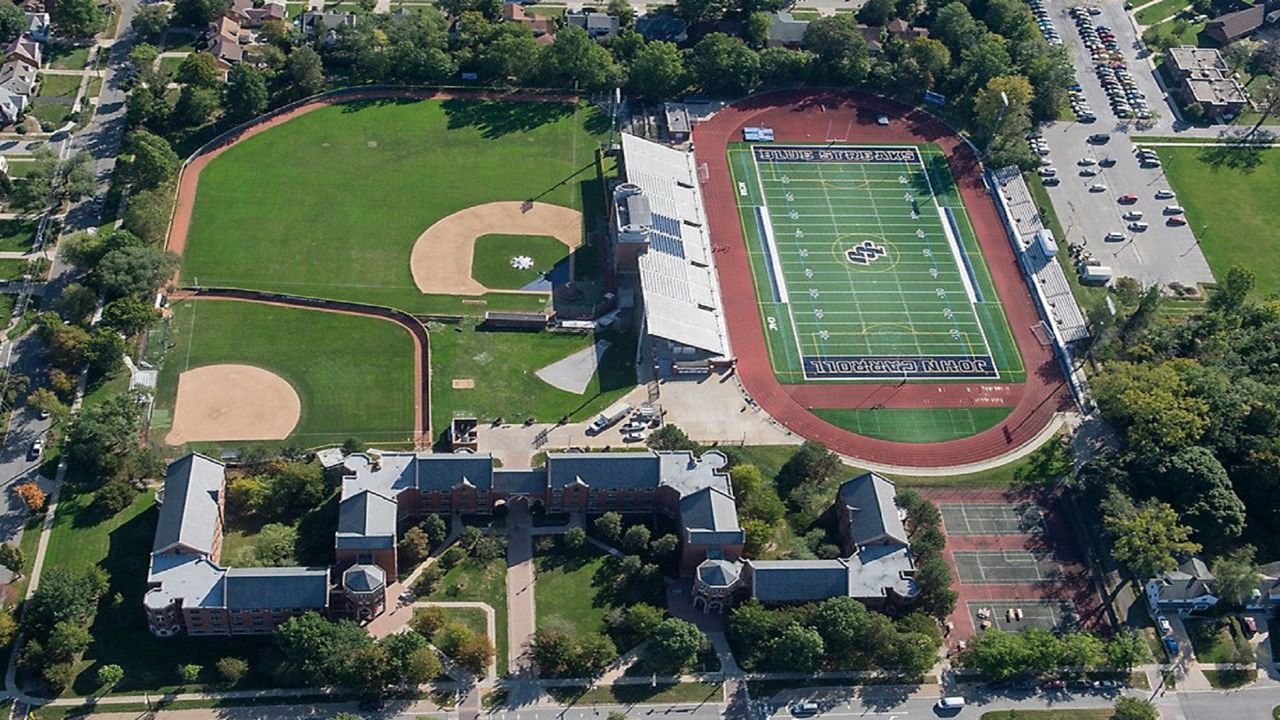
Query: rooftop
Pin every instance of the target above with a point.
(191, 513)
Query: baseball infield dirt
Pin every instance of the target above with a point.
(442, 256)
(233, 402)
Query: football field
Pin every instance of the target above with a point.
(866, 266)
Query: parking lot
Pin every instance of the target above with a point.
(1091, 177)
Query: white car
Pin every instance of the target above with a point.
(1048, 172)
(1114, 236)
(1174, 210)
(1133, 215)
(1162, 622)
(1098, 187)
(1085, 162)
(1088, 172)
(882, 120)
(1164, 194)
(1138, 226)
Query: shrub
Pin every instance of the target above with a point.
(232, 669)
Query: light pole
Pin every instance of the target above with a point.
(1004, 107)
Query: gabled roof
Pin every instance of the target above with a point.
(226, 49)
(797, 581)
(444, 471)
(873, 514)
(604, 471)
(710, 518)
(366, 520)
(520, 482)
(24, 49)
(285, 588)
(1237, 24)
(190, 516)
(785, 29)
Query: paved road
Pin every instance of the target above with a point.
(1161, 254)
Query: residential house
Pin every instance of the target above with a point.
(600, 26)
(1186, 589)
(38, 26)
(320, 22)
(245, 13)
(1235, 25)
(664, 27)
(17, 86)
(222, 40)
(25, 50)
(873, 38)
(1203, 78)
(900, 29)
(544, 28)
(786, 31)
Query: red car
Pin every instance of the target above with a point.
(1127, 199)
(1176, 220)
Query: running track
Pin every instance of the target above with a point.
(815, 117)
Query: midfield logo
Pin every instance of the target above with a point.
(865, 253)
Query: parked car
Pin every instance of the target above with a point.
(804, 709)
(37, 447)
(1162, 622)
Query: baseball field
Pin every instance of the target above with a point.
(433, 207)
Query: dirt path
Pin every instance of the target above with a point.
(233, 402)
(443, 255)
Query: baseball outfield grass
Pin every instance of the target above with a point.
(1229, 195)
(331, 203)
(354, 375)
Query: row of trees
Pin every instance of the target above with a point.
(323, 653)
(836, 634)
(56, 620)
(1001, 655)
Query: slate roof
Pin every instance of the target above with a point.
(24, 49)
(786, 30)
(364, 578)
(798, 581)
(720, 573)
(190, 516)
(277, 588)
(1237, 24)
(603, 471)
(519, 482)
(442, 471)
(711, 518)
(366, 521)
(873, 514)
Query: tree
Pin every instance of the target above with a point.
(1081, 650)
(664, 547)
(796, 649)
(622, 10)
(275, 546)
(294, 489)
(674, 646)
(758, 536)
(75, 176)
(811, 465)
(154, 162)
(876, 13)
(657, 73)
(64, 596)
(77, 18)
(110, 676)
(782, 66)
(76, 303)
(35, 192)
(671, 437)
(1152, 404)
(129, 315)
(609, 527)
(574, 538)
(1004, 127)
(8, 627)
(936, 597)
(302, 75)
(575, 60)
(245, 95)
(31, 495)
(319, 649)
(756, 29)
(474, 654)
(1148, 540)
(1125, 650)
(195, 13)
(114, 496)
(414, 546)
(1135, 709)
(102, 436)
(407, 655)
(150, 22)
(12, 558)
(1196, 483)
(147, 214)
(723, 65)
(232, 669)
(195, 106)
(844, 624)
(133, 271)
(635, 539)
(697, 10)
(842, 52)
(13, 22)
(1236, 576)
(143, 56)
(428, 620)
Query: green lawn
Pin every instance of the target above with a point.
(169, 67)
(353, 374)
(493, 266)
(1212, 640)
(477, 581)
(1229, 679)
(1155, 13)
(179, 42)
(553, 11)
(471, 617)
(568, 589)
(1230, 201)
(17, 235)
(919, 425)
(331, 203)
(692, 692)
(66, 57)
(503, 364)
(50, 112)
(62, 86)
(12, 268)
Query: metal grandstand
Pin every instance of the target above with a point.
(677, 274)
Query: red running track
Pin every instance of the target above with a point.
(816, 116)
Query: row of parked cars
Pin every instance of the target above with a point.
(1046, 25)
(1127, 101)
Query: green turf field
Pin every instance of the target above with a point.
(496, 265)
(366, 394)
(915, 424)
(330, 203)
(1231, 209)
(866, 266)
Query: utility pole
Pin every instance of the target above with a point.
(1004, 107)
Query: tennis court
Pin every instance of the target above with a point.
(1043, 614)
(866, 266)
(1005, 567)
(1022, 519)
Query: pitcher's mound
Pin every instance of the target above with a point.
(233, 402)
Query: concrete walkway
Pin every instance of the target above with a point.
(521, 609)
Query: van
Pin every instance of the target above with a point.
(1173, 210)
(608, 418)
(804, 709)
(951, 703)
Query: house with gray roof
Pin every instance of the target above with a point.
(1189, 588)
(786, 31)
(598, 25)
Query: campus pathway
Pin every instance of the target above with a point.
(521, 612)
